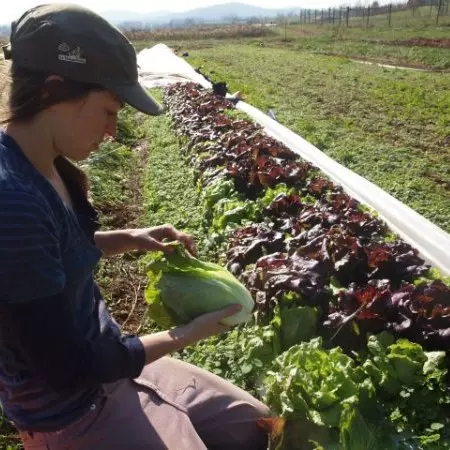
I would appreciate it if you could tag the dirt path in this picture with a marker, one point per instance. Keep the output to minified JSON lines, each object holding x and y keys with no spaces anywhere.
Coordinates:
{"x":119,"y":277}
{"x":3,"y":83}
{"x":419,"y":42}
{"x":386,"y":63}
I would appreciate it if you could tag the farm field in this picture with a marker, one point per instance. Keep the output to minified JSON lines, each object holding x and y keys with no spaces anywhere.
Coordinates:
{"x":390,"y":126}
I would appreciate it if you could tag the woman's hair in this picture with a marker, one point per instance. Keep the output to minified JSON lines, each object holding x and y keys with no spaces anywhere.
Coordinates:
{"x":29,"y":93}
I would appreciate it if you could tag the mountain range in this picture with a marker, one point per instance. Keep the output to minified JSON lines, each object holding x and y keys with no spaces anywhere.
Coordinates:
{"x":215,"y":13}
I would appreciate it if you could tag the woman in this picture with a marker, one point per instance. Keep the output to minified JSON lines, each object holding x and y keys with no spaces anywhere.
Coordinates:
{"x":68,"y":377}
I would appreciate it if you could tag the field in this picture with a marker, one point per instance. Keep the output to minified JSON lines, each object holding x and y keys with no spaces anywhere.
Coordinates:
{"x":390,"y":126}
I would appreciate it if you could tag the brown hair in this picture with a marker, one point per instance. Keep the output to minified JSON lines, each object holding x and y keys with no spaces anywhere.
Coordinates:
{"x":28,"y":94}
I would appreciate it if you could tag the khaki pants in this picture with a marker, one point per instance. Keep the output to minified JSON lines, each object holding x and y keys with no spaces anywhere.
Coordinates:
{"x":172,"y":405}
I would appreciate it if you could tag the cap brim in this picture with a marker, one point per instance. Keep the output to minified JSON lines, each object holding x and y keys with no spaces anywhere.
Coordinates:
{"x":137,"y":97}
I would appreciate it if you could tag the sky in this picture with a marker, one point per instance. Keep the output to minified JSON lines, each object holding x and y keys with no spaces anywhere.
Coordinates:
{"x":11,"y":10}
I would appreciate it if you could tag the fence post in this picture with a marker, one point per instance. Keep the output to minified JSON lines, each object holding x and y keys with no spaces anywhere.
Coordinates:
{"x":390,"y":13}
{"x":348,"y":15}
{"x":363,"y":15}
{"x":368,"y":16}
{"x":438,"y":12}
{"x":285,"y":30}
{"x":333,"y":16}
{"x":321,"y":20}
{"x":315,"y":16}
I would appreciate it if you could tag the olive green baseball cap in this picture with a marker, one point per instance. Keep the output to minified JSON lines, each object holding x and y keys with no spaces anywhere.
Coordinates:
{"x":77,"y":44}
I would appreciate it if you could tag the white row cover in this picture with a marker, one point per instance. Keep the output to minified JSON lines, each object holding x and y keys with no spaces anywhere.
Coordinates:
{"x":160,"y":66}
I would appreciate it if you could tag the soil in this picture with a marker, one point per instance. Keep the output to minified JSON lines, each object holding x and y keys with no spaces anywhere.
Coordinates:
{"x":121,"y":281}
{"x":419,"y":42}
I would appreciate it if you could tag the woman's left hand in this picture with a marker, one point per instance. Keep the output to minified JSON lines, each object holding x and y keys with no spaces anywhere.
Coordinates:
{"x":151,"y":239}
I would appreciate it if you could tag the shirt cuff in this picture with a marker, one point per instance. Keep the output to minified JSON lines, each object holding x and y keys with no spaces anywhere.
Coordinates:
{"x":137,"y":354}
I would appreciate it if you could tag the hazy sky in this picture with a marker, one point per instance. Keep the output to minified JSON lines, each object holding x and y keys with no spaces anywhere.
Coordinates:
{"x":10,"y":10}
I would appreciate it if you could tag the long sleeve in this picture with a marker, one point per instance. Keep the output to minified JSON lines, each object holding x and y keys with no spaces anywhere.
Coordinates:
{"x":53,"y":347}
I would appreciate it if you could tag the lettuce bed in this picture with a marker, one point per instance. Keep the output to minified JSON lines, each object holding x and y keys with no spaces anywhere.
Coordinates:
{"x":351,"y":327}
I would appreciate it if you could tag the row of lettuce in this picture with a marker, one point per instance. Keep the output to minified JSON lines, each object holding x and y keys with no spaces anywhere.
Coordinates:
{"x":351,"y":328}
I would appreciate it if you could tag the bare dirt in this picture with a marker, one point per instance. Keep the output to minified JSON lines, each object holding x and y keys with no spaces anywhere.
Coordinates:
{"x":419,"y":42}
{"x":120,"y":279}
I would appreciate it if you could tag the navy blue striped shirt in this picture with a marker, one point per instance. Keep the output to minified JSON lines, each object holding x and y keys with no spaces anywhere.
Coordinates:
{"x":58,"y":342}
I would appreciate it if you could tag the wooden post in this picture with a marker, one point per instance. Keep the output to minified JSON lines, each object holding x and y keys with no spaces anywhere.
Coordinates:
{"x":333,"y":16}
{"x":368,"y":16}
{"x":315,"y":16}
{"x":321,"y":20}
{"x":438,"y":12}
{"x":285,"y":30}
{"x":390,"y":14}
{"x":348,"y":15}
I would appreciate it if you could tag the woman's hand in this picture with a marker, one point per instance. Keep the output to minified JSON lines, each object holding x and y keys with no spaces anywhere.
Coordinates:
{"x":151,"y":239}
{"x":142,"y":239}
{"x":209,"y":324}
{"x":159,"y":344}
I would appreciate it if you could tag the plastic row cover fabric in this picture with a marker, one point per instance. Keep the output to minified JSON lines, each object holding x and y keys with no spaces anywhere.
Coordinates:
{"x":159,"y":66}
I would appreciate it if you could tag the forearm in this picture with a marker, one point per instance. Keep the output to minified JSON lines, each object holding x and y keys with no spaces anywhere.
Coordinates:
{"x":115,"y":242}
{"x":160,"y":344}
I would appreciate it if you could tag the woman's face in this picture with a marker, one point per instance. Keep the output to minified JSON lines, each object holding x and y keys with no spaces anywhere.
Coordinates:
{"x":80,"y":126}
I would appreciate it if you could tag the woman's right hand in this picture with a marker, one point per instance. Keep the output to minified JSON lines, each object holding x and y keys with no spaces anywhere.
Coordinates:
{"x":209,"y":324}
{"x":159,"y":344}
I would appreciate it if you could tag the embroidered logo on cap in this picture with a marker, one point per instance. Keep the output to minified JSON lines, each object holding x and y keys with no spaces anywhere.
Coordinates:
{"x":70,"y":55}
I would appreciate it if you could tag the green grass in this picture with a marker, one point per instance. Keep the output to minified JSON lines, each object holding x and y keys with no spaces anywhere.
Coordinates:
{"x":357,"y":40}
{"x":9,"y":439}
{"x":432,"y":58}
{"x":391,"y":127}
{"x":170,"y":192}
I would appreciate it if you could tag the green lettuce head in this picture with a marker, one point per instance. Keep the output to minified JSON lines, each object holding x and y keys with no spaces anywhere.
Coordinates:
{"x":181,"y":288}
